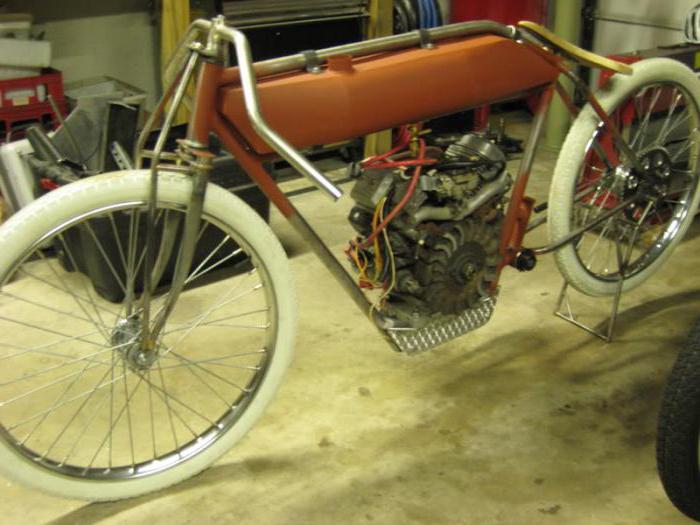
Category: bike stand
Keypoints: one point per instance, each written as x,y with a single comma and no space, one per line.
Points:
569,315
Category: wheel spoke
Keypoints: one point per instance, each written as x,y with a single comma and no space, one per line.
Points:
663,132
213,374
167,406
76,398
105,257
82,281
74,416
645,122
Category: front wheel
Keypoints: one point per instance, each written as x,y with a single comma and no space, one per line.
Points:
656,110
678,435
84,411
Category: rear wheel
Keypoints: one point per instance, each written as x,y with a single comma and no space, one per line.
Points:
656,110
84,412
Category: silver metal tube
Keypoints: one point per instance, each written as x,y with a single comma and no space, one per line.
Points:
299,21
340,274
189,240
153,193
273,139
387,43
572,236
175,66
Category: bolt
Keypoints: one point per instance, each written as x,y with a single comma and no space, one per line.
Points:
525,261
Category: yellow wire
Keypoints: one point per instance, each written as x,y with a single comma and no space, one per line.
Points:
361,266
392,263
378,260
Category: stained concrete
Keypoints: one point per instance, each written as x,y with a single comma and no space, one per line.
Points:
526,420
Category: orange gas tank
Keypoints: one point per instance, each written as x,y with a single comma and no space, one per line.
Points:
353,97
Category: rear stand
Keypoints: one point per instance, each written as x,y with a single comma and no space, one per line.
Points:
564,311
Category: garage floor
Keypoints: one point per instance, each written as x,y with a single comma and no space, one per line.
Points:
527,420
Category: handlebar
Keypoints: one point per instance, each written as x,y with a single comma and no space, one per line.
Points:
216,31
273,139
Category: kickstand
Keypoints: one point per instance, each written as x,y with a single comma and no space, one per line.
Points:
564,311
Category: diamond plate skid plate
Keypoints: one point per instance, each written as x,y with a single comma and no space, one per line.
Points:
412,341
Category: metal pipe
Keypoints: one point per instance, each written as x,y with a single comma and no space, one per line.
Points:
388,43
273,139
517,214
539,221
148,284
583,229
300,21
330,262
189,240
356,49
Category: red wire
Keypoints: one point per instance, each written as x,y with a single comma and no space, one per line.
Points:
401,143
409,192
405,163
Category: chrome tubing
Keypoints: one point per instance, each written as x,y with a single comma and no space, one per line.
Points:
387,43
272,138
574,235
149,285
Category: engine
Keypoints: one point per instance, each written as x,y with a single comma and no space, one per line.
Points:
429,239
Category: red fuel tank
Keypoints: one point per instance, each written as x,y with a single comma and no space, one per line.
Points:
355,97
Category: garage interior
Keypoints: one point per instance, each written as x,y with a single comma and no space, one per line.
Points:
528,419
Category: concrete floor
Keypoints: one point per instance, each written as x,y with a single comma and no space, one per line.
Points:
526,420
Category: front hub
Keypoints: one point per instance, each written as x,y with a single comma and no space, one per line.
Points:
127,341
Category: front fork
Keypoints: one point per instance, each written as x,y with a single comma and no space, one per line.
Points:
198,161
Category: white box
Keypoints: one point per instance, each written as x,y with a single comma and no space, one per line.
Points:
24,53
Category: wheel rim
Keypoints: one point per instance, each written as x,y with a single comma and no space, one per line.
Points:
659,122
74,395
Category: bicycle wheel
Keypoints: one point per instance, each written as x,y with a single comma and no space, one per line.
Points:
656,110
678,435
85,414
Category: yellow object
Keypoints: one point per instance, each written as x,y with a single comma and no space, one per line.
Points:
378,260
175,19
574,52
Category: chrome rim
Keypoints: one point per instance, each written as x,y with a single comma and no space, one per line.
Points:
76,394
660,124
